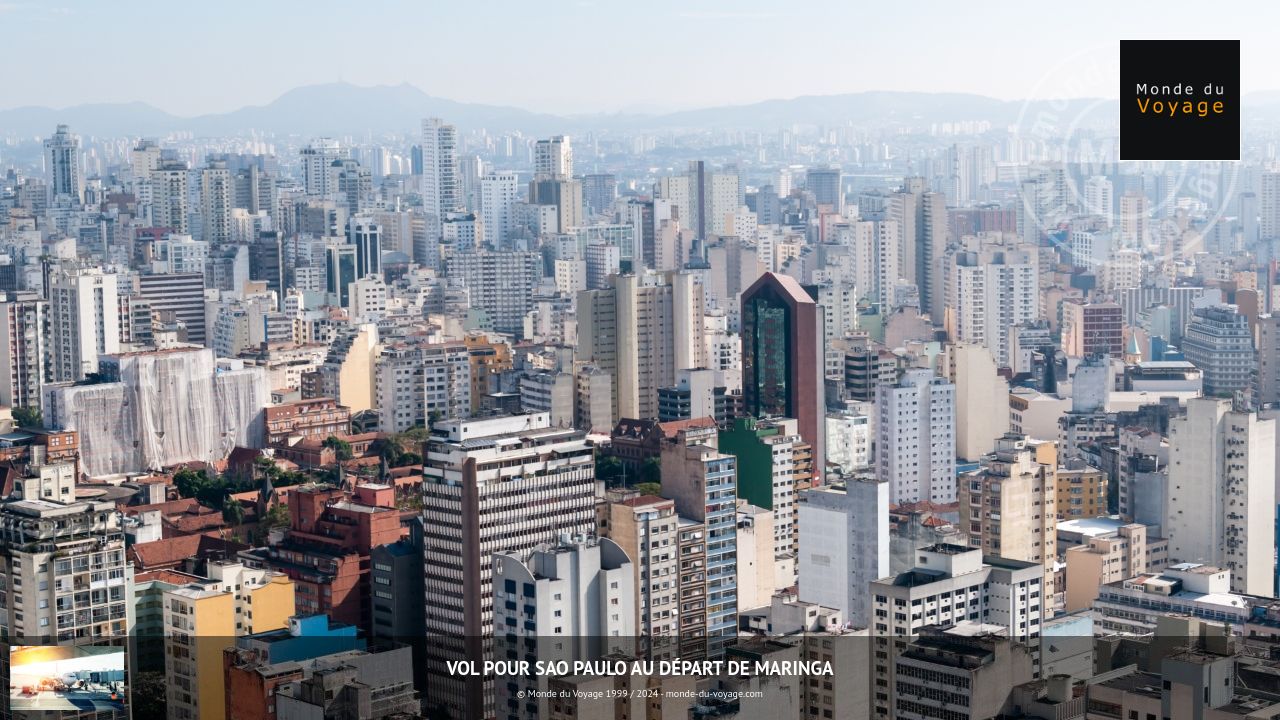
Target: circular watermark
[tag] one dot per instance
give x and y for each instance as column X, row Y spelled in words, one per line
column 1078, row 195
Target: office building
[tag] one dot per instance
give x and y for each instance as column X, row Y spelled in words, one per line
column 1219, row 341
column 505, row 483
column 992, row 288
column 366, row 236
column 1092, row 328
column 499, row 284
column 783, row 356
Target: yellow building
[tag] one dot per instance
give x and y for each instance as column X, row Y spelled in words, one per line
column 1082, row 493
column 203, row 618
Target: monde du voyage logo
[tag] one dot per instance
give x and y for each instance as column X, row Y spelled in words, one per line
column 1179, row 99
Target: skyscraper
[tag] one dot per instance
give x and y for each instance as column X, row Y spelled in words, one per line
column 216, row 199
column 500, row 484
column 169, row 202
column 62, row 160
column 317, row 166
column 782, row 357
column 922, row 230
column 642, row 330
column 439, row 173
column 916, row 450
column 824, row 183
column 992, row 288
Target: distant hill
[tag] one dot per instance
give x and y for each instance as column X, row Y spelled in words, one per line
column 342, row 109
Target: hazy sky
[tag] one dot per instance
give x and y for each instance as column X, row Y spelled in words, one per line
column 575, row 56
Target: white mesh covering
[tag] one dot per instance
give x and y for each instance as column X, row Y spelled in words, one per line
column 169, row 407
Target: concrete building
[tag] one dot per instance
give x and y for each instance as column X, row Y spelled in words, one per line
column 499, row 284
column 1110, row 558
column 961, row 671
column 982, row 411
column 642, row 331
column 849, row 441
column 916, row 438
column 62, row 162
column 1092, row 328
column 1135, row 605
column 703, row 483
column 417, row 383
column 200, row 618
column 574, row 598
column 844, row 545
column 647, row 529
column 1008, row 507
column 24, row 349
column 951, row 584
column 1221, row 505
column 547, row 391
column 1218, row 340
column 992, row 288
column 499, row 193
column 84, row 321
column 479, row 480
column 1082, row 491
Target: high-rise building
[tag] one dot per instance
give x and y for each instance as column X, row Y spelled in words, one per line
column 24, row 341
column 317, row 160
column 499, row 193
column 647, row 527
column 202, row 616
column 62, row 162
column 177, row 297
column 921, row 219
column 1269, row 207
column 771, row 465
column 417, row 384
column 916, row 448
column 440, row 192
column 844, row 544
column 366, row 236
column 1092, row 328
column 993, row 287
column 782, row 357
column 500, row 484
column 642, row 330
column 1129, row 551
column 1008, row 506
column 1221, row 506
column 553, row 158
column 217, row 197
column 824, row 184
column 1099, row 198
column 84, row 321
column 599, row 191
column 702, row 482
column 1266, row 388
column 499, row 283
column 982, row 406
column 1218, row 340
column 170, row 204
column 340, row 272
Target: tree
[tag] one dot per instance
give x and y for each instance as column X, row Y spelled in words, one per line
column 341, row 448
column 651, row 471
column 28, row 417
column 147, row 694
column 277, row 516
column 609, row 469
column 648, row 488
column 233, row 512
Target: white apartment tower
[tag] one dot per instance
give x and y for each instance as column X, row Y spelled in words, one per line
column 439, row 173
column 499, row 193
column 24, row 365
column 1220, row 506
column 916, row 452
column 993, row 287
column 84, row 321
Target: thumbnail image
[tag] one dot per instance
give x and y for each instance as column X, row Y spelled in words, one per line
column 77, row 678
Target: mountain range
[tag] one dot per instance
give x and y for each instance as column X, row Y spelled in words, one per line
column 345, row 109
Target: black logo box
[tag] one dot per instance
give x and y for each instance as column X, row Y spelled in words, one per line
column 1187, row 68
